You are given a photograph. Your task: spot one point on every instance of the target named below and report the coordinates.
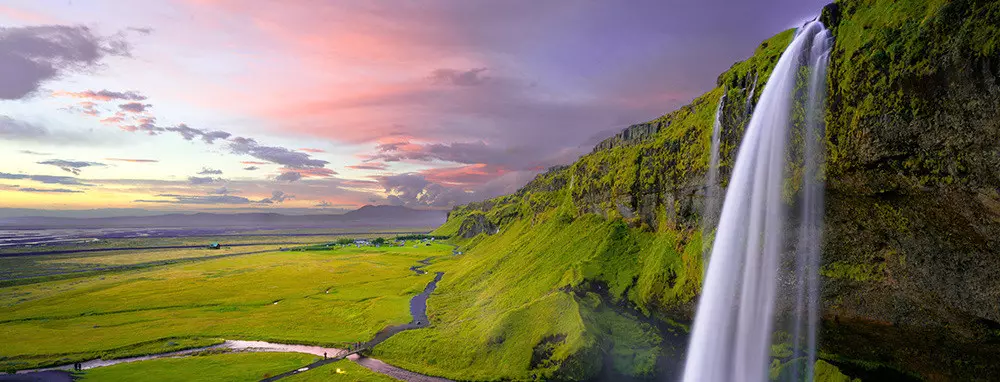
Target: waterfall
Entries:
(748, 105)
(712, 187)
(731, 335)
(807, 252)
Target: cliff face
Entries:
(911, 260)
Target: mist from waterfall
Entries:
(731, 335)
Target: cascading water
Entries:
(806, 313)
(712, 188)
(731, 336)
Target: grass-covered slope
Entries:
(553, 274)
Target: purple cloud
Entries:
(73, 167)
(273, 154)
(471, 77)
(35, 54)
(47, 179)
(198, 180)
(289, 176)
(276, 197)
(134, 107)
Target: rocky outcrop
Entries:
(474, 224)
(632, 135)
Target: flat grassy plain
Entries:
(209, 368)
(323, 297)
(350, 371)
(32, 262)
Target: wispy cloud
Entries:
(190, 133)
(102, 95)
(276, 197)
(209, 171)
(370, 166)
(471, 77)
(197, 180)
(308, 150)
(73, 167)
(196, 199)
(47, 179)
(29, 152)
(50, 190)
(251, 168)
(132, 160)
(274, 154)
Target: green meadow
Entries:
(16, 266)
(327, 297)
(348, 371)
(223, 367)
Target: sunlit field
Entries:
(209, 368)
(327, 297)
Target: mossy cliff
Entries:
(911, 259)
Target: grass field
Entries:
(215, 367)
(329, 297)
(349, 371)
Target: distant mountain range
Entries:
(367, 216)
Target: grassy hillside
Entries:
(599, 260)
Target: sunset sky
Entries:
(330, 105)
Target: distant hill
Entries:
(367, 216)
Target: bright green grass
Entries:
(499, 301)
(350, 371)
(231, 298)
(216, 367)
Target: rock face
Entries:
(911, 259)
(475, 224)
(632, 134)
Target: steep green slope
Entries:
(592, 269)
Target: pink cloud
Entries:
(370, 166)
(469, 175)
(314, 172)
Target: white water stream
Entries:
(733, 326)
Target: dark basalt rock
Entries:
(475, 224)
